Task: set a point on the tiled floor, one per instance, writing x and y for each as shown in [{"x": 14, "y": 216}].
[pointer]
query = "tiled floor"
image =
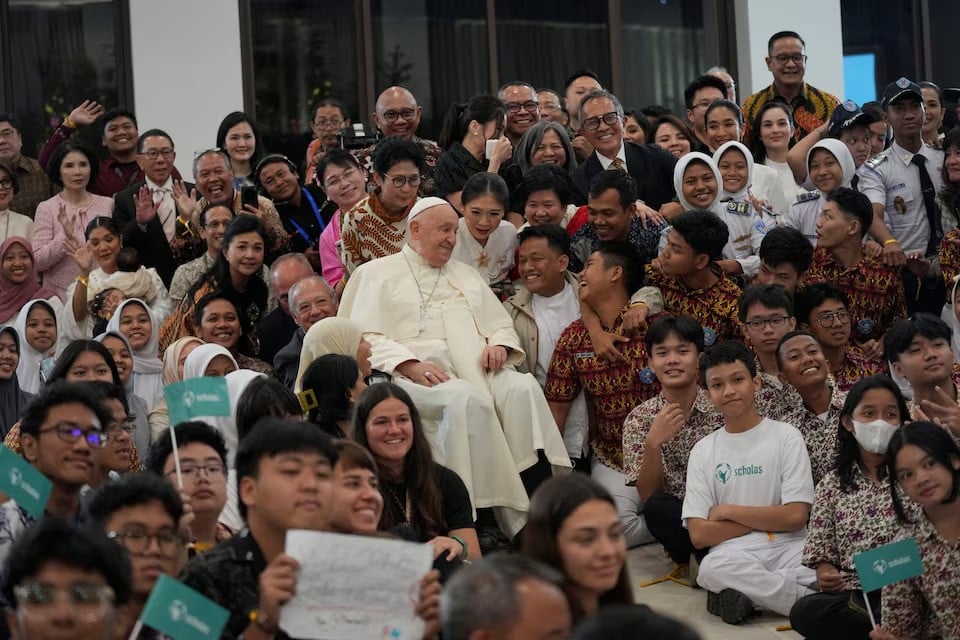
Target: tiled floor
[{"x": 690, "y": 605}]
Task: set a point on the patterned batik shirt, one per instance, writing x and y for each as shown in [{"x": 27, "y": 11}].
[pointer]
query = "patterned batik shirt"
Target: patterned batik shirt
[
  {"x": 703, "y": 420},
  {"x": 613, "y": 388},
  {"x": 368, "y": 232},
  {"x": 926, "y": 606},
  {"x": 949, "y": 253},
  {"x": 812, "y": 107},
  {"x": 644, "y": 239},
  {"x": 916, "y": 413},
  {"x": 875, "y": 291},
  {"x": 855, "y": 367},
  {"x": 844, "y": 524},
  {"x": 714, "y": 308},
  {"x": 820, "y": 436}
]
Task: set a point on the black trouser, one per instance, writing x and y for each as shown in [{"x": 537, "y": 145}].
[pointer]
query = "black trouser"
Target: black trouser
[
  {"x": 824, "y": 616},
  {"x": 926, "y": 295},
  {"x": 662, "y": 513}
]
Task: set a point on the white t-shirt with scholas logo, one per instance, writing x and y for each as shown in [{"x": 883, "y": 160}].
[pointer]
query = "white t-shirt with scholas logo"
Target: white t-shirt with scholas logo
[{"x": 765, "y": 466}]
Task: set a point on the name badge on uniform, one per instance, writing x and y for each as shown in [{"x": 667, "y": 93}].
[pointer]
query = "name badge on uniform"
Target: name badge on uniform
[
  {"x": 583, "y": 355},
  {"x": 900, "y": 205},
  {"x": 647, "y": 376},
  {"x": 709, "y": 336},
  {"x": 866, "y": 325}
]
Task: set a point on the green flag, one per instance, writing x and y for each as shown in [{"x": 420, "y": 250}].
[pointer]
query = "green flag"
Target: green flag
[
  {"x": 181, "y": 613},
  {"x": 196, "y": 398},
  {"x": 24, "y": 484},
  {"x": 888, "y": 564}
]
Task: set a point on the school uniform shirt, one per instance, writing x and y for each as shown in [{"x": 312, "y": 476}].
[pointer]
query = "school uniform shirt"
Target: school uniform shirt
[
  {"x": 856, "y": 366},
  {"x": 926, "y": 606},
  {"x": 764, "y": 466},
  {"x": 845, "y": 524},
  {"x": 614, "y": 388},
  {"x": 891, "y": 180},
  {"x": 949, "y": 254},
  {"x": 877, "y": 300},
  {"x": 703, "y": 420},
  {"x": 495, "y": 259},
  {"x": 819, "y": 432},
  {"x": 714, "y": 308},
  {"x": 805, "y": 211}
]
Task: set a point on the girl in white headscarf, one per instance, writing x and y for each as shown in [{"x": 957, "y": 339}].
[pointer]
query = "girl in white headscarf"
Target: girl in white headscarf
[
  {"x": 134, "y": 321},
  {"x": 829, "y": 167},
  {"x": 334, "y": 335},
  {"x": 37, "y": 327},
  {"x": 209, "y": 360}
]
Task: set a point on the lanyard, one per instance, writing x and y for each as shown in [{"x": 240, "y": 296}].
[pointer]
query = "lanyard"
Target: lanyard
[{"x": 316, "y": 213}]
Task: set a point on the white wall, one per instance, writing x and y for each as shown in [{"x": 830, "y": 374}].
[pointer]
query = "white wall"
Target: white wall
[
  {"x": 186, "y": 70},
  {"x": 817, "y": 22}
]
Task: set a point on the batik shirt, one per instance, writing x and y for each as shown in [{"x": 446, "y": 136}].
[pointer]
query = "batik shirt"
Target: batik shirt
[
  {"x": 368, "y": 232},
  {"x": 812, "y": 107},
  {"x": 916, "y": 413},
  {"x": 714, "y": 308},
  {"x": 613, "y": 388},
  {"x": 926, "y": 606},
  {"x": 855, "y": 367},
  {"x": 644, "y": 239},
  {"x": 875, "y": 292},
  {"x": 703, "y": 420},
  {"x": 820, "y": 436},
  {"x": 844, "y": 524}
]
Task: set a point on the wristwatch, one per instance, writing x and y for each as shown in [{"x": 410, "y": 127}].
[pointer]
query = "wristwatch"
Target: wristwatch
[{"x": 260, "y": 619}]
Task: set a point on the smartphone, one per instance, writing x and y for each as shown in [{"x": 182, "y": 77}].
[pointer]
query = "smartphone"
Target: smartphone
[{"x": 248, "y": 196}]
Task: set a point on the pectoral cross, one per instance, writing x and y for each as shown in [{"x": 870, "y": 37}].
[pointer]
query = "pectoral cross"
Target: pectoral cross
[{"x": 483, "y": 260}]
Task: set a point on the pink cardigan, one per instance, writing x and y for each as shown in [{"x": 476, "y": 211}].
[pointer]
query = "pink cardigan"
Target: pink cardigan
[
  {"x": 56, "y": 268},
  {"x": 330, "y": 252}
]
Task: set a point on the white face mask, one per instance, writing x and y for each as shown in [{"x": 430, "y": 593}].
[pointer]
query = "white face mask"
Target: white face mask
[{"x": 874, "y": 436}]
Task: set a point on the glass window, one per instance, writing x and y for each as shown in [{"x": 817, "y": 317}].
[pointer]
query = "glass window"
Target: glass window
[
  {"x": 303, "y": 52},
  {"x": 887, "y": 33},
  {"x": 63, "y": 54},
  {"x": 543, "y": 43},
  {"x": 663, "y": 50},
  {"x": 435, "y": 48}
]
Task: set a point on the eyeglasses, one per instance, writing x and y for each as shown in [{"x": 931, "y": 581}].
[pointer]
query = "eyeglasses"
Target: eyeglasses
[
  {"x": 592, "y": 124},
  {"x": 128, "y": 426},
  {"x": 8, "y": 134},
  {"x": 399, "y": 181},
  {"x": 335, "y": 181},
  {"x": 70, "y": 432},
  {"x": 775, "y": 322},
  {"x": 829, "y": 319},
  {"x": 218, "y": 224},
  {"x": 190, "y": 470},
  {"x": 6, "y": 183},
  {"x": 406, "y": 114},
  {"x": 328, "y": 122},
  {"x": 703, "y": 104},
  {"x": 87, "y": 600},
  {"x": 138, "y": 540},
  {"x": 784, "y": 58},
  {"x": 550, "y": 106},
  {"x": 529, "y": 106},
  {"x": 153, "y": 153}
]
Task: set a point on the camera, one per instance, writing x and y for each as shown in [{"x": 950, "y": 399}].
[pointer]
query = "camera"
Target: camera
[{"x": 357, "y": 137}]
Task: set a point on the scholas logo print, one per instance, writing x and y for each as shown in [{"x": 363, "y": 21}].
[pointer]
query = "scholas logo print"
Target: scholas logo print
[{"x": 725, "y": 472}]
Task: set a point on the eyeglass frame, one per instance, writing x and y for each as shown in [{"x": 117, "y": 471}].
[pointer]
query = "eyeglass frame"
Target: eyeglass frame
[
  {"x": 191, "y": 469},
  {"x": 834, "y": 317},
  {"x": 60, "y": 429},
  {"x": 758, "y": 325},
  {"x": 593, "y": 124},
  {"x": 122, "y": 537},
  {"x": 346, "y": 171},
  {"x": 9, "y": 134},
  {"x": 400, "y": 181},
  {"x": 105, "y": 594},
  {"x": 323, "y": 122},
  {"x": 153, "y": 154},
  {"x": 515, "y": 107},
  {"x": 393, "y": 116},
  {"x": 7, "y": 183},
  {"x": 796, "y": 58},
  {"x": 128, "y": 426}
]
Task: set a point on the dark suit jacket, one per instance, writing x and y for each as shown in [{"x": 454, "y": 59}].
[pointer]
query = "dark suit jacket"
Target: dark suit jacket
[
  {"x": 648, "y": 164},
  {"x": 152, "y": 244},
  {"x": 275, "y": 330},
  {"x": 286, "y": 364}
]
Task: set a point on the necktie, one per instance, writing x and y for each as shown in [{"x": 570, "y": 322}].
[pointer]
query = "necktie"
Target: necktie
[
  {"x": 617, "y": 163},
  {"x": 929, "y": 203},
  {"x": 854, "y": 181},
  {"x": 165, "y": 210}
]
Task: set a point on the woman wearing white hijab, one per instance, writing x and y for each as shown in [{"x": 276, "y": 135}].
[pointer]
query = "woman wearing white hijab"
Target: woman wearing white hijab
[
  {"x": 196, "y": 364},
  {"x": 333, "y": 335},
  {"x": 237, "y": 383},
  {"x": 140, "y": 329},
  {"x": 28, "y": 370},
  {"x": 829, "y": 167}
]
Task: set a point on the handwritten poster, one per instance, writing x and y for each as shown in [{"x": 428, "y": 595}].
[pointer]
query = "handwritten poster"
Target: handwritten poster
[{"x": 355, "y": 587}]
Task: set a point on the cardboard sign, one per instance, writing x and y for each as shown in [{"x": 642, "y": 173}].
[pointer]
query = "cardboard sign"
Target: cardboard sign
[
  {"x": 355, "y": 587},
  {"x": 180, "y": 612},
  {"x": 24, "y": 484},
  {"x": 888, "y": 564},
  {"x": 197, "y": 397}
]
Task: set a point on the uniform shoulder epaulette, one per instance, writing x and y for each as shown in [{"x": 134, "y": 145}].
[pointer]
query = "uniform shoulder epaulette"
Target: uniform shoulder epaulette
[
  {"x": 807, "y": 196},
  {"x": 877, "y": 160}
]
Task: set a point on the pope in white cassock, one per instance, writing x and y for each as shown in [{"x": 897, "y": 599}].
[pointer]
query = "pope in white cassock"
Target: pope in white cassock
[{"x": 435, "y": 325}]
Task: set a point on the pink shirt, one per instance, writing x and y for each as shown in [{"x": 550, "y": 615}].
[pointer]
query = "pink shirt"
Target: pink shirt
[
  {"x": 329, "y": 251},
  {"x": 55, "y": 266}
]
